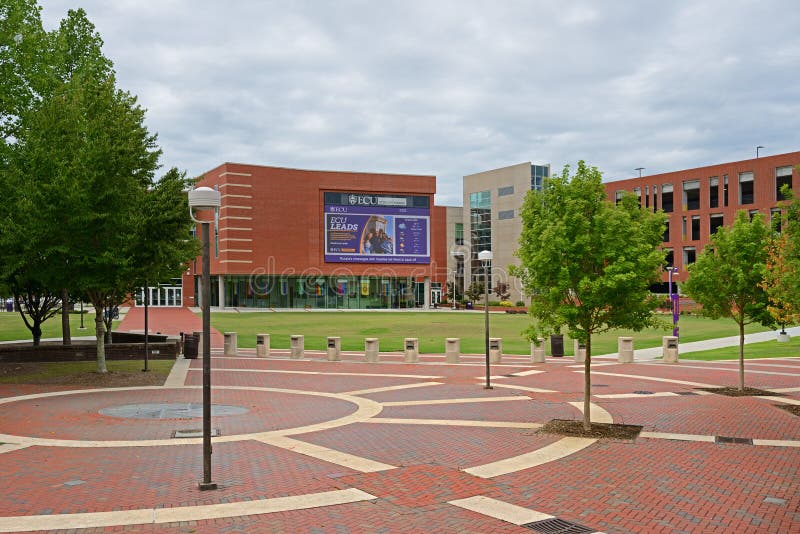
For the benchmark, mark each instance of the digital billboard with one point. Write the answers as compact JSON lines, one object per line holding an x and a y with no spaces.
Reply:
{"x":365,"y":228}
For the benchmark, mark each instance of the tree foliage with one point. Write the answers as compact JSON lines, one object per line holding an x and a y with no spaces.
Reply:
{"x":586,"y":263}
{"x":781,"y":280}
{"x":727,"y":278}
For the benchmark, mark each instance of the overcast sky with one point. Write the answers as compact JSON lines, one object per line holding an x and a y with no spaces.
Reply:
{"x":450,"y":88}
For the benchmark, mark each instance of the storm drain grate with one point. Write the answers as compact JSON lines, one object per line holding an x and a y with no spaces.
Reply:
{"x":643,"y":392}
{"x":727,"y":439}
{"x":686,"y":393}
{"x":599,"y":385}
{"x":557,"y":526}
{"x":194,"y":433}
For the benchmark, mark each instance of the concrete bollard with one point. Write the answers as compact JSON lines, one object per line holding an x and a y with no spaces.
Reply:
{"x":297,"y":344}
{"x":669,"y":349}
{"x":199,"y":336}
{"x":784,"y":337}
{"x":262,"y":345}
{"x":371,"y":349}
{"x":537,"y":351}
{"x":580,"y":352}
{"x":625,"y":349}
{"x":495,"y":349}
{"x":231,"y":344}
{"x":411,"y":349}
{"x":334,"y":348}
{"x":452,"y":349}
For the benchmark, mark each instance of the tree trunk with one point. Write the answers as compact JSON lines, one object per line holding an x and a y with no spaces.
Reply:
{"x":587,"y":385}
{"x":66,"y":334}
{"x":741,"y":355}
{"x":36,"y":331}
{"x":99,"y":332}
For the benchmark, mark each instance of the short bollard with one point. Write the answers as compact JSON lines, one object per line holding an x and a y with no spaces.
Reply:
{"x":625,"y":346}
{"x":371,"y":349}
{"x":297,"y":344}
{"x":334,"y":348}
{"x":262,"y":345}
{"x":411,"y":350}
{"x":231,"y":342}
{"x":669,"y":349}
{"x":495,"y":349}
{"x":199,"y":337}
{"x":537,"y":351}
{"x":580,"y":352}
{"x":452,"y":349}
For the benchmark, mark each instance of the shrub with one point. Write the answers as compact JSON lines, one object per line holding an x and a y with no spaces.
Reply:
{"x":520,"y":303}
{"x":506,"y":303}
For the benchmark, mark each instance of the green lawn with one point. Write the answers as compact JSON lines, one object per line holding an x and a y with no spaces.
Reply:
{"x":46,"y":371}
{"x":432,"y":328}
{"x":12,"y":327}
{"x":766,"y":349}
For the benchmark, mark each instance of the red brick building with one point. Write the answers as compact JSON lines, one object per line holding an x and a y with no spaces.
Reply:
{"x":289,"y":238}
{"x":698,"y":201}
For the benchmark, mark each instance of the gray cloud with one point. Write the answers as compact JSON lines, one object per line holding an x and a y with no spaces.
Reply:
{"x":455,"y":87}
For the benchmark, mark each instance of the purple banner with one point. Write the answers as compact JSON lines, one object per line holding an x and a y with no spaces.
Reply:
{"x":355,"y":234}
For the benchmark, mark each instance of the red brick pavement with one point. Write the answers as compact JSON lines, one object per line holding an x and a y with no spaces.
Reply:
{"x":170,"y":321}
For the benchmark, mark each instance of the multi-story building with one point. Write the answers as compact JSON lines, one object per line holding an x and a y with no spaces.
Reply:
{"x":699,"y":201}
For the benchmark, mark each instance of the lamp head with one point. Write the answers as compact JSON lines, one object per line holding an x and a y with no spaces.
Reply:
{"x":203,"y":198}
{"x":485,"y":255}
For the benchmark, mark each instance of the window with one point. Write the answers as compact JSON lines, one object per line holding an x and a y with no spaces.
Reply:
{"x":752,"y":214}
{"x":505,"y":214}
{"x":775,"y":219}
{"x":713,"y":192}
{"x":666,"y":198}
{"x":638,"y":192}
{"x":689,"y":256}
{"x":695,"y":228}
{"x":505,"y":191}
{"x":538,"y":174}
{"x":655,"y":198}
{"x":691,"y":195}
{"x":666,"y":233}
{"x":480,"y":215}
{"x":783,"y":176}
{"x":669,"y":257}
{"x":618,"y":196}
{"x":646,"y":196}
{"x":725,"y":190}
{"x":683,"y":228}
{"x":745,"y":188}
{"x":459,"y":233}
{"x":714,"y":222}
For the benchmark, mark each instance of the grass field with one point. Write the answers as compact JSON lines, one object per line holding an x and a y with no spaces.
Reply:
{"x":12,"y":327}
{"x":766,"y":349}
{"x":433,"y":327}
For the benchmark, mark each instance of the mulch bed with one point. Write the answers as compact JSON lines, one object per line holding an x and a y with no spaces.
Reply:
{"x":731,"y":391}
{"x":112,"y":379}
{"x":792,"y":409}
{"x":567,"y":427}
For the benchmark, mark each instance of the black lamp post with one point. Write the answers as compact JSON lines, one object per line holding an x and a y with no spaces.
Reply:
{"x":205,"y":198}
{"x":485,"y":256}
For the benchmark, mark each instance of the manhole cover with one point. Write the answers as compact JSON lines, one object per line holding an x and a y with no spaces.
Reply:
{"x":160,"y":410}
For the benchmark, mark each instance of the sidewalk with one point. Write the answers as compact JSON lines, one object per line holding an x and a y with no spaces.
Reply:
{"x":170,"y":321}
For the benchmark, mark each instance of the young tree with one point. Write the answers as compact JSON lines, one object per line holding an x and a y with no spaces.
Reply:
{"x":781,"y":280}
{"x":586,"y":263}
{"x":727,"y":277}
{"x":501,"y":290}
{"x":475,"y":291}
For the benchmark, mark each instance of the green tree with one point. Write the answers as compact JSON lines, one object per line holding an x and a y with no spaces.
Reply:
{"x":727,"y":278}
{"x":587,"y":263}
{"x":781,"y":280}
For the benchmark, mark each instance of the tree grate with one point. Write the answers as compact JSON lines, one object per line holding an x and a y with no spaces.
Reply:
{"x":557,"y":526}
{"x":643,"y":392}
{"x":727,"y":439}
{"x":686,"y":393}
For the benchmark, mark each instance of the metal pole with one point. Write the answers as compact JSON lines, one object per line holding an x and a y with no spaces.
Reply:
{"x":146,"y":325}
{"x":486,"y":321}
{"x":81,"y":326}
{"x":206,"y":290}
{"x":673,"y":297}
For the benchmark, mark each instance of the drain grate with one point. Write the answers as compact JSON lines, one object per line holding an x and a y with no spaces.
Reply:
{"x":557,"y":526}
{"x":643,"y":392}
{"x":727,"y":439}
{"x":194,"y":433}
{"x":599,"y":385}
{"x":686,"y":393}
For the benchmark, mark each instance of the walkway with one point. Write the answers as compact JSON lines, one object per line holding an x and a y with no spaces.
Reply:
{"x":310,"y":445}
{"x":171,"y":321}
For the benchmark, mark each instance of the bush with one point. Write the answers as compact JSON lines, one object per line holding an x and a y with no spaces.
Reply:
{"x":506,"y":304}
{"x":520,"y":303}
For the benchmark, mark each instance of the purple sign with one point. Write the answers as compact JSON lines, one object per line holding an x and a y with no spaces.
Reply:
{"x":384,"y":232}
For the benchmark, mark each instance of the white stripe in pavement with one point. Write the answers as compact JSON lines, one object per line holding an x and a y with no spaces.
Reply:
{"x":596,"y":413}
{"x":391,"y":388}
{"x":645,"y":395}
{"x":356,"y":463}
{"x":525,"y":388}
{"x":656,"y":379}
{"x":504,"y":511}
{"x":177,"y":376}
{"x":732,"y":369}
{"x":8,"y":447}
{"x":604,"y":364}
{"x":679,"y":437}
{"x":554,"y":451}
{"x":453,"y":422}
{"x":288,"y":372}
{"x":776,"y":442}
{"x":784,"y":390}
{"x":182,"y":513}
{"x":785,"y":400}
{"x":454,"y":401}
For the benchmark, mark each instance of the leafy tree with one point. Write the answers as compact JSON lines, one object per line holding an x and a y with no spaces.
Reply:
{"x":586,"y":263}
{"x":781,"y":281}
{"x":728,"y":275}
{"x":475,"y":291}
{"x":501,"y":290}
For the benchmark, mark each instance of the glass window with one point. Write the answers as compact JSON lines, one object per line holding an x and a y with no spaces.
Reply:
{"x":689,"y":256}
{"x":752,"y":213}
{"x":695,"y":228}
{"x":725,"y":190}
{"x":638,"y":192}
{"x":714,"y":222}
{"x":775,"y":219}
{"x":505,"y":214}
{"x":691,"y":195}
{"x":481,"y":199}
{"x":618,"y":197}
{"x":683,"y":228}
{"x":655,"y":198}
{"x":666,"y":233}
{"x":646,"y":196}
{"x":505,"y":191}
{"x":538,"y":174}
{"x":480,"y":214}
{"x":669,"y":257}
{"x":783,"y":176}
{"x":745,"y":188}
{"x":713,"y":192}
{"x":459,"y":233}
{"x":666,"y":198}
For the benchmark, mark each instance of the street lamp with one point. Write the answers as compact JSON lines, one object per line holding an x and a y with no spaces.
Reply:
{"x":640,"y":169}
{"x":205,"y":198}
{"x":485,"y":257}
{"x":759,"y":146}
{"x":674,"y":300}
{"x":456,"y":255}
